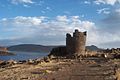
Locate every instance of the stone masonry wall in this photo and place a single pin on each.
(76, 44)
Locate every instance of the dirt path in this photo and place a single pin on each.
(62, 70)
(85, 71)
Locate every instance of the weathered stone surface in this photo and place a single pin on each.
(58, 51)
(76, 44)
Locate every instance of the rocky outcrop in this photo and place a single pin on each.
(58, 52)
(113, 50)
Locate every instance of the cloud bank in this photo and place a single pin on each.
(103, 11)
(22, 2)
(47, 31)
(109, 2)
(25, 3)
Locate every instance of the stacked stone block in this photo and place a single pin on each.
(76, 45)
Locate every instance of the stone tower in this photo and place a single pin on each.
(76, 45)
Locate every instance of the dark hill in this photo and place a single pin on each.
(40, 48)
(93, 48)
(30, 48)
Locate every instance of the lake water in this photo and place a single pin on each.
(23, 56)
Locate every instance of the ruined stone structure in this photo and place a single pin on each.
(75, 48)
(58, 51)
(75, 45)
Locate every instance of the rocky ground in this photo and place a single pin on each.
(65, 69)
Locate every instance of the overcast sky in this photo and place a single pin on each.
(46, 22)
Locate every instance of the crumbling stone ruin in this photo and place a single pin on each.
(75, 48)
(75, 45)
(58, 51)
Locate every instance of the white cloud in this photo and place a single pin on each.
(22, 2)
(43, 27)
(40, 3)
(43, 30)
(48, 8)
(111, 29)
(75, 19)
(109, 2)
(62, 18)
(113, 18)
(103, 11)
(28, 21)
(87, 2)
(27, 6)
(4, 19)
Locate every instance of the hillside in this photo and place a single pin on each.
(30, 48)
(40, 48)
(93, 48)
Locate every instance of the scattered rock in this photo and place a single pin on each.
(2, 63)
(30, 61)
(12, 62)
(46, 59)
(22, 61)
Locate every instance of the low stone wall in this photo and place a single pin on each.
(58, 51)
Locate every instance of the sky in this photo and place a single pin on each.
(46, 22)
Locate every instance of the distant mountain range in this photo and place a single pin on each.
(30, 48)
(93, 48)
(40, 48)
